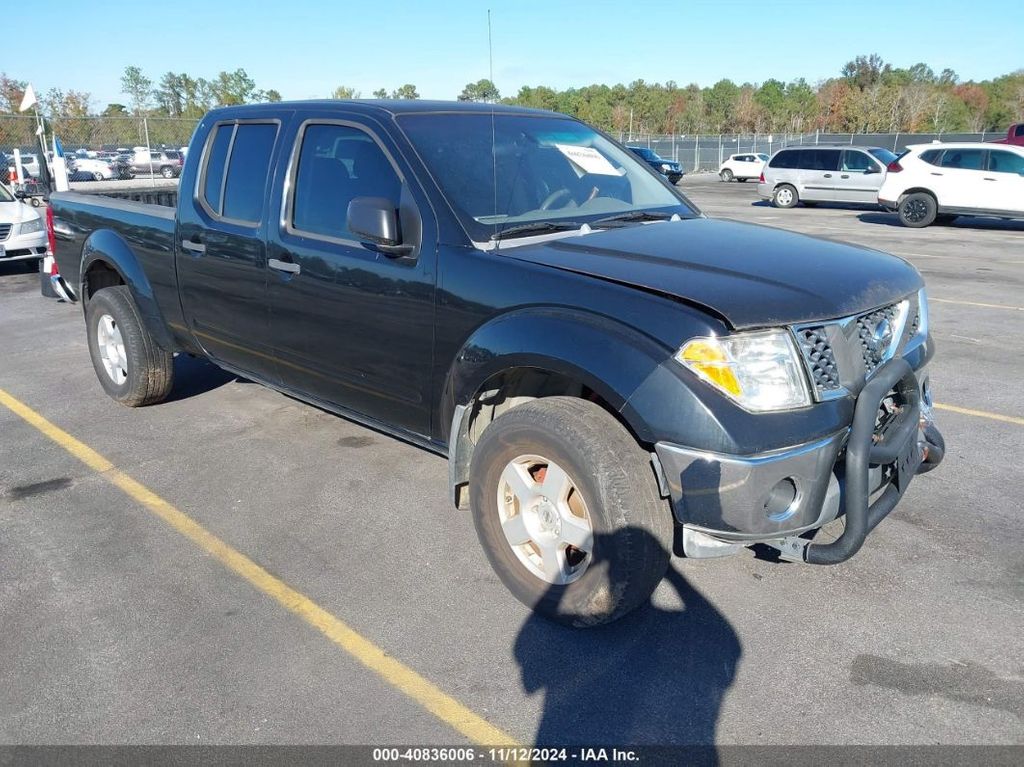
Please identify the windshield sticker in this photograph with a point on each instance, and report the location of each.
(588, 159)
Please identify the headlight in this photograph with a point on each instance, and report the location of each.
(761, 371)
(665, 166)
(35, 225)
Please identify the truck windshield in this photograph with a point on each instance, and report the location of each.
(503, 172)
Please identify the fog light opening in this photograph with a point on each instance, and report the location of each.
(782, 501)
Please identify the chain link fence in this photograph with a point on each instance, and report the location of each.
(707, 152)
(696, 153)
(96, 133)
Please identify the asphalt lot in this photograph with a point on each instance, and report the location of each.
(118, 629)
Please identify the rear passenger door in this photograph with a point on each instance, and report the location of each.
(221, 253)
(860, 177)
(819, 171)
(352, 325)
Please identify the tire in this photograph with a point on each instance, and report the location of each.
(45, 286)
(785, 196)
(167, 171)
(97, 176)
(611, 490)
(35, 202)
(726, 175)
(917, 210)
(144, 373)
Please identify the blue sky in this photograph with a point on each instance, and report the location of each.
(304, 48)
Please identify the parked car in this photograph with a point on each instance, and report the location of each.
(98, 170)
(22, 230)
(604, 367)
(166, 164)
(740, 167)
(29, 164)
(824, 173)
(1014, 135)
(935, 183)
(671, 170)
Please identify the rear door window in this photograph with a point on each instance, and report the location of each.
(931, 156)
(964, 159)
(235, 171)
(819, 159)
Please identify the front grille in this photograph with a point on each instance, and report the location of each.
(873, 349)
(5, 231)
(841, 354)
(820, 358)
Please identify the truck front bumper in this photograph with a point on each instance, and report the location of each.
(726, 501)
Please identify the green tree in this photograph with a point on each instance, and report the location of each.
(380, 93)
(481, 90)
(407, 91)
(138, 88)
(11, 93)
(345, 92)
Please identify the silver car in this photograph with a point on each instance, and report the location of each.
(824, 174)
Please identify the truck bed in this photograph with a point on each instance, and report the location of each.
(146, 228)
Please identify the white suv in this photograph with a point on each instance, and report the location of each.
(938, 182)
(742, 166)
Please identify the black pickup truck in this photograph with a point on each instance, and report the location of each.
(612, 375)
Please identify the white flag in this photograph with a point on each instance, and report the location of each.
(29, 101)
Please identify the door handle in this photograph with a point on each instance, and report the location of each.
(845, 175)
(284, 266)
(936, 174)
(989, 179)
(828, 175)
(196, 248)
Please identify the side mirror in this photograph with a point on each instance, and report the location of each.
(376, 220)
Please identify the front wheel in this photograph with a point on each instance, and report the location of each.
(567, 510)
(917, 210)
(97, 176)
(133, 369)
(167, 172)
(726, 175)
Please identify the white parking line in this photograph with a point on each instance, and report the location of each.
(977, 303)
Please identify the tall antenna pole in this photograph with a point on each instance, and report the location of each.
(490, 49)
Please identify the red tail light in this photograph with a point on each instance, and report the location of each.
(761, 180)
(51, 240)
(894, 167)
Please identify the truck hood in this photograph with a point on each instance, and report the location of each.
(752, 276)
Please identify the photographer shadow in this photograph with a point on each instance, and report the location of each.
(657, 676)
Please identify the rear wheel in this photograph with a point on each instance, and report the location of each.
(917, 210)
(132, 368)
(97, 176)
(167, 172)
(726, 175)
(567, 510)
(785, 196)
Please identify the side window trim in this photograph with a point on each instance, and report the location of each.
(288, 201)
(199, 194)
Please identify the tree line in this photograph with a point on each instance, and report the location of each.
(867, 96)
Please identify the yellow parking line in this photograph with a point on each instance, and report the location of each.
(975, 303)
(981, 414)
(394, 672)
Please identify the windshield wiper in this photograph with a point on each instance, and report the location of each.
(633, 215)
(536, 227)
